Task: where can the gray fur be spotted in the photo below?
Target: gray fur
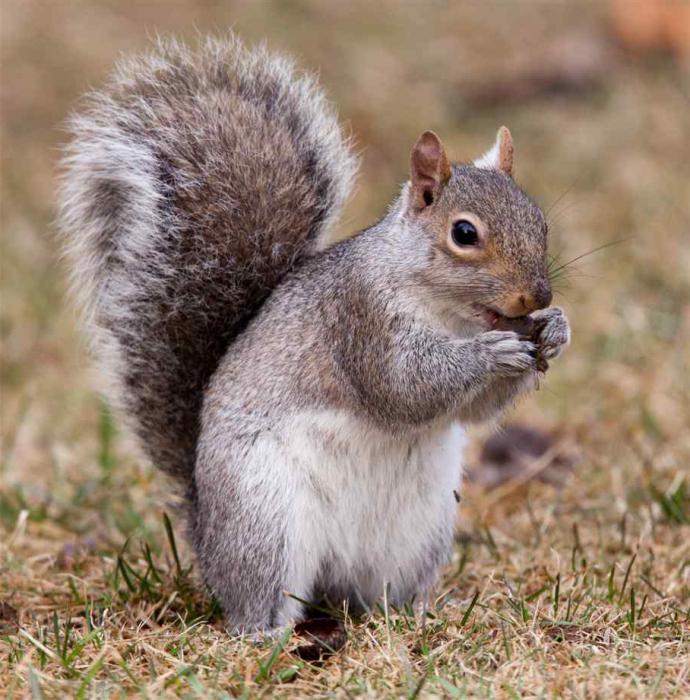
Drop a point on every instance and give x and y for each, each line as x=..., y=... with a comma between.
x=361, y=328
x=198, y=191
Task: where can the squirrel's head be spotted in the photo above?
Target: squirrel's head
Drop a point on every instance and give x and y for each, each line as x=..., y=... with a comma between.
x=484, y=238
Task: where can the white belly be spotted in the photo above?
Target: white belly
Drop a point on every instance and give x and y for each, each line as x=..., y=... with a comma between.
x=367, y=509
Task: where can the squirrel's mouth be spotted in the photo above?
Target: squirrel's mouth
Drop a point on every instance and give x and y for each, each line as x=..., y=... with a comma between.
x=495, y=320
x=490, y=317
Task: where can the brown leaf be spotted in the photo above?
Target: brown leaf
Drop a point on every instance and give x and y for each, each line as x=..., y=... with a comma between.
x=326, y=634
x=9, y=618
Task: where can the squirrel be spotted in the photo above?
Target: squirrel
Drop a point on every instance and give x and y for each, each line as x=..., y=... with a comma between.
x=309, y=399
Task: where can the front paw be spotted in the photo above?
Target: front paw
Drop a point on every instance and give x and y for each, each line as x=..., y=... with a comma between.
x=506, y=353
x=554, y=333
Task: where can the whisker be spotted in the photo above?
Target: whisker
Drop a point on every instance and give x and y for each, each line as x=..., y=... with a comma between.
x=564, y=194
x=590, y=252
x=558, y=216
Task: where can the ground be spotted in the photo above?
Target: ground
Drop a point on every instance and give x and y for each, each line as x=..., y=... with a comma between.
x=579, y=589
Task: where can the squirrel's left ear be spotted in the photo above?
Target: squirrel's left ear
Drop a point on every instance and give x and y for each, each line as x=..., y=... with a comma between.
x=500, y=155
x=429, y=170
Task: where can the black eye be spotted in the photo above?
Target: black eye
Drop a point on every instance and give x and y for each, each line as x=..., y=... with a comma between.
x=464, y=233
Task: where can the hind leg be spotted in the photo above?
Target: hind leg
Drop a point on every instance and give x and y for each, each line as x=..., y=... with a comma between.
x=243, y=562
x=242, y=540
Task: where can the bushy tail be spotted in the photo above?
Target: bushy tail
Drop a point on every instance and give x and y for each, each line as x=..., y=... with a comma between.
x=193, y=183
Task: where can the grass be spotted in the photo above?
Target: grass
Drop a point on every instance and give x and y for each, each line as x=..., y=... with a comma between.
x=555, y=606
x=580, y=590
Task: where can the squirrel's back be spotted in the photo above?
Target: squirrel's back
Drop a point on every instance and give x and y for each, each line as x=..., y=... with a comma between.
x=193, y=183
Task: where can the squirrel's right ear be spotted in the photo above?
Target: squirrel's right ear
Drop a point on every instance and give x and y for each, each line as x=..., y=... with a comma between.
x=429, y=170
x=500, y=155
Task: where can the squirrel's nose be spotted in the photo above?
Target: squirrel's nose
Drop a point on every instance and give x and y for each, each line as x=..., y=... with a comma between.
x=542, y=295
x=527, y=302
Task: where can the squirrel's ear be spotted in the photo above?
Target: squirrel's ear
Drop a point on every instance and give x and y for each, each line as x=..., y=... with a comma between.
x=429, y=170
x=500, y=155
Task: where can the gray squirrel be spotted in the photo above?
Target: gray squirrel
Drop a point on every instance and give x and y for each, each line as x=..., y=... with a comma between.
x=309, y=399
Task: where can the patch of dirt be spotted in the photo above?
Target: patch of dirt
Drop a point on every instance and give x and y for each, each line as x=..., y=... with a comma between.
x=521, y=453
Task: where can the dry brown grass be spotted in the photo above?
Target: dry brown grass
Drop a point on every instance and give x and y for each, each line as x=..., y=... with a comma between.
x=582, y=591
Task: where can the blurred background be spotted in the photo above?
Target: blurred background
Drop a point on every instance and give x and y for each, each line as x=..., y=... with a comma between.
x=585, y=492
x=596, y=96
